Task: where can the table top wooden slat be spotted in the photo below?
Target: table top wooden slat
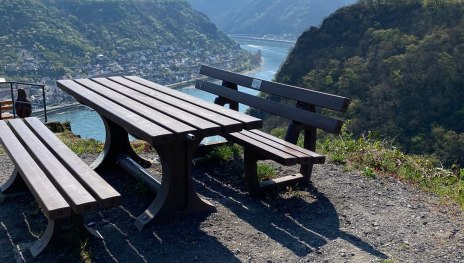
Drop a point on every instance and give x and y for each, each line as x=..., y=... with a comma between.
x=205, y=126
x=46, y=194
x=104, y=193
x=228, y=124
x=249, y=122
x=133, y=123
x=153, y=115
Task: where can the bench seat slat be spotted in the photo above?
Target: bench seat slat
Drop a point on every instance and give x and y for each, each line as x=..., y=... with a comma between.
x=310, y=118
x=203, y=124
x=134, y=124
x=322, y=99
x=105, y=195
x=53, y=204
x=262, y=148
x=249, y=121
x=138, y=91
x=303, y=155
x=160, y=118
x=74, y=193
x=317, y=158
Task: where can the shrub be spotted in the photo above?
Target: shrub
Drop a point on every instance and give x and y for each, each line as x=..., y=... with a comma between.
x=266, y=171
x=224, y=153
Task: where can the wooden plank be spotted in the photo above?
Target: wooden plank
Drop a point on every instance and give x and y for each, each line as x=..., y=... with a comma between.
x=303, y=158
x=321, y=99
x=262, y=149
x=306, y=117
x=179, y=128
x=281, y=181
x=133, y=123
x=50, y=200
x=135, y=89
x=74, y=193
x=174, y=111
x=249, y=122
x=317, y=158
x=105, y=195
x=6, y=102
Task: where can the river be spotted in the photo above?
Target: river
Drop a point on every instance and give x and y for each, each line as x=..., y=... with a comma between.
x=86, y=123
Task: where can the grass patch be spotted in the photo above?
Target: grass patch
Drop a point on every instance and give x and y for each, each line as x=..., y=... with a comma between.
x=224, y=153
x=266, y=171
x=79, y=145
x=378, y=157
x=84, y=254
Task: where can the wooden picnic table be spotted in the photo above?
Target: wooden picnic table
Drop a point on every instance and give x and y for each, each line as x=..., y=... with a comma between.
x=173, y=122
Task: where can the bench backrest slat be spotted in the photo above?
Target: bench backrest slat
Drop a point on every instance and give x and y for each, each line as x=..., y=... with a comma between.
x=309, y=118
x=46, y=194
x=105, y=194
x=313, y=97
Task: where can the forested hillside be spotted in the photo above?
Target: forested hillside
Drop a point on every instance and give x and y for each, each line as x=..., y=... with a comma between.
x=402, y=64
x=50, y=37
x=263, y=17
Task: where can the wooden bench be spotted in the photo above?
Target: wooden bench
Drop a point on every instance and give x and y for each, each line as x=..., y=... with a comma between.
x=62, y=184
x=6, y=106
x=262, y=146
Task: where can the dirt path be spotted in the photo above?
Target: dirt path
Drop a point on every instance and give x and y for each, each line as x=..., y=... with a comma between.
x=344, y=217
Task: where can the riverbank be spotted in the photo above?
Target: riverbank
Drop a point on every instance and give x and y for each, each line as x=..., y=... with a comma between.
x=262, y=39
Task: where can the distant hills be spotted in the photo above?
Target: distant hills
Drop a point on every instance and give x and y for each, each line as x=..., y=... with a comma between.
x=264, y=17
x=402, y=64
x=55, y=37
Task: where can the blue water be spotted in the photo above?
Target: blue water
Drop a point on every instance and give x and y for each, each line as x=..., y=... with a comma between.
x=88, y=124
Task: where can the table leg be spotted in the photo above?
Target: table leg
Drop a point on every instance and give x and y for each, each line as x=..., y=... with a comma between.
x=176, y=196
x=116, y=142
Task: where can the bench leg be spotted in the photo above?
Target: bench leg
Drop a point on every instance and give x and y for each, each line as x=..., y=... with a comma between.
x=176, y=196
x=14, y=183
x=48, y=236
x=116, y=142
x=250, y=164
x=53, y=234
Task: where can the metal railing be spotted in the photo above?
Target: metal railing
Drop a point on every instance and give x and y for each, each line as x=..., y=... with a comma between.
x=15, y=85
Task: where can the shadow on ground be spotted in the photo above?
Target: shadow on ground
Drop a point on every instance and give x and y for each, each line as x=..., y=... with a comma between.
x=299, y=225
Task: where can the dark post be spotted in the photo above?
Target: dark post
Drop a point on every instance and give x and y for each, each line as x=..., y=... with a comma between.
x=223, y=101
x=13, y=99
x=44, y=102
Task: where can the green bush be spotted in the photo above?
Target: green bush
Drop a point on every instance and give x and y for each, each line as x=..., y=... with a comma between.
x=224, y=153
x=266, y=171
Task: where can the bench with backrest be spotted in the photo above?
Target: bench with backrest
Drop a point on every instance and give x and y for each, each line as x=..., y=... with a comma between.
x=304, y=116
x=6, y=107
x=62, y=184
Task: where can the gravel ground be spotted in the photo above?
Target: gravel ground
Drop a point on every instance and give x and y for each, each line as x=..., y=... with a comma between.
x=342, y=217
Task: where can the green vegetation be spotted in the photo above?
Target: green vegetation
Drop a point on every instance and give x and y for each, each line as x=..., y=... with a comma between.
x=266, y=171
x=264, y=17
x=78, y=145
x=53, y=37
x=224, y=153
x=401, y=64
x=373, y=156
